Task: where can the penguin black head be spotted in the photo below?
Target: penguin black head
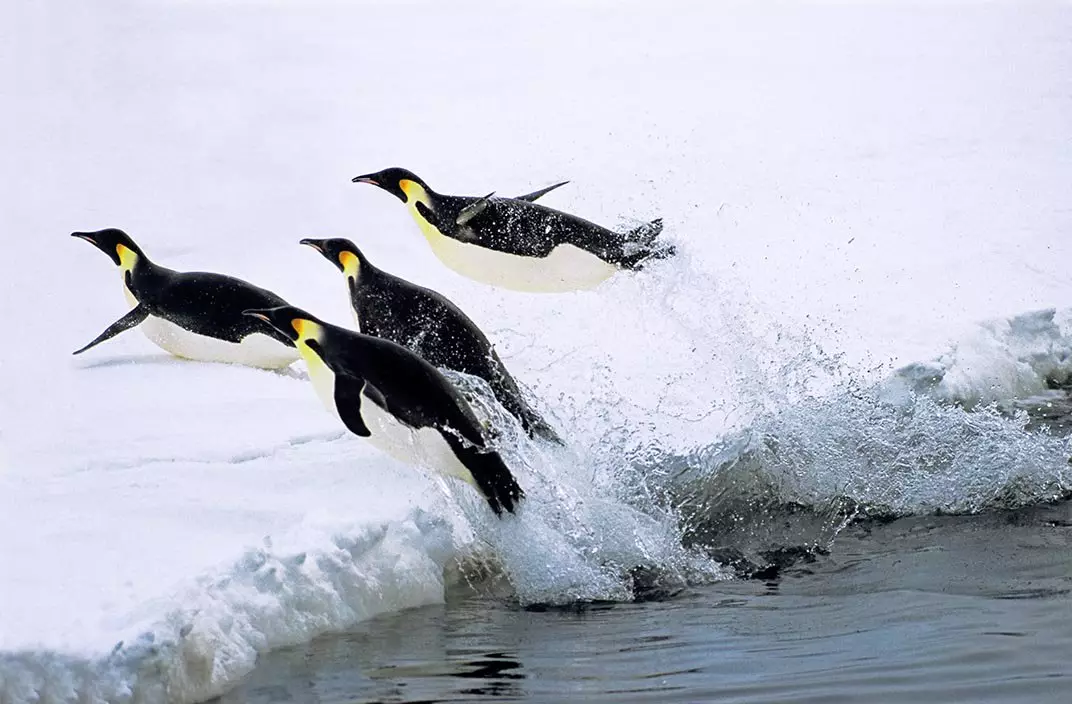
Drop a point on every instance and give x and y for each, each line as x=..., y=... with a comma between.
x=115, y=243
x=294, y=323
x=399, y=182
x=343, y=253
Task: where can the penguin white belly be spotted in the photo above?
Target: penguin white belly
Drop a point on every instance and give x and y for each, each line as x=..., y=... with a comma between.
x=256, y=350
x=566, y=268
x=424, y=447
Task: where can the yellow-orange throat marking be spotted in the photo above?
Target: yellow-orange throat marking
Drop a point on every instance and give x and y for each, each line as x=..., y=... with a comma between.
x=414, y=192
x=127, y=257
x=350, y=263
x=306, y=329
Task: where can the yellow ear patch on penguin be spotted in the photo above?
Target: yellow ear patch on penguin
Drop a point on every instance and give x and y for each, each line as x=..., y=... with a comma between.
x=306, y=329
x=414, y=191
x=350, y=263
x=126, y=256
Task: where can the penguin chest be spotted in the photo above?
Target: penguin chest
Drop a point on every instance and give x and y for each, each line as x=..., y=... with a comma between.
x=255, y=350
x=566, y=268
x=422, y=447
x=322, y=377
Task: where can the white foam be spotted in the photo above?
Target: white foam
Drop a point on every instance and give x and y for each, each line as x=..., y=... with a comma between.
x=1000, y=360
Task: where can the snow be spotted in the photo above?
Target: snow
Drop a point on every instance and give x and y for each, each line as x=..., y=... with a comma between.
x=855, y=186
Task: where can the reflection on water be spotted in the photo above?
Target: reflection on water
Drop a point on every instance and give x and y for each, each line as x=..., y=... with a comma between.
x=425, y=655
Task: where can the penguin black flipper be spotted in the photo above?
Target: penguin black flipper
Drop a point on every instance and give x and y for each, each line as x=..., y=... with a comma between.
x=135, y=317
x=535, y=195
x=473, y=209
x=509, y=395
x=348, y=403
x=413, y=391
x=416, y=393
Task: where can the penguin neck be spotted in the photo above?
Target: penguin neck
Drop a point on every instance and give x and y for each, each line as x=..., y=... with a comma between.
x=418, y=193
x=361, y=284
x=319, y=372
x=139, y=274
x=361, y=275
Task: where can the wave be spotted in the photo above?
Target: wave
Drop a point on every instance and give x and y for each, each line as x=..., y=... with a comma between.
x=981, y=428
x=1003, y=360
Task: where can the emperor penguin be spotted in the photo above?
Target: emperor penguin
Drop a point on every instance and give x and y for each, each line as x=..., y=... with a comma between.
x=193, y=315
x=427, y=323
x=516, y=243
x=401, y=403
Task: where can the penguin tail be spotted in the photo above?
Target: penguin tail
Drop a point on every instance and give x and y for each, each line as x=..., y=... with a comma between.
x=641, y=244
x=490, y=473
x=646, y=233
x=506, y=391
x=537, y=427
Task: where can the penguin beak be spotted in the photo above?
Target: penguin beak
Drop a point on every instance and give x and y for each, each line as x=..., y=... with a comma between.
x=315, y=244
x=368, y=178
x=85, y=236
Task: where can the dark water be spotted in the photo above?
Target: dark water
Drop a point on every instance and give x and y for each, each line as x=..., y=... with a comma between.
x=922, y=609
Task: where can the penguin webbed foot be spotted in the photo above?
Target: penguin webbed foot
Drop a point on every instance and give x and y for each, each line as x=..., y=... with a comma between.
x=136, y=316
x=640, y=245
x=539, y=429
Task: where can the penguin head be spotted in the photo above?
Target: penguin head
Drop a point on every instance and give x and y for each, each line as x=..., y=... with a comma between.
x=116, y=244
x=343, y=253
x=401, y=183
x=297, y=325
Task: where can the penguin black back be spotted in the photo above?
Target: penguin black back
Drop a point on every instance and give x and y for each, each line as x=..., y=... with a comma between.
x=429, y=324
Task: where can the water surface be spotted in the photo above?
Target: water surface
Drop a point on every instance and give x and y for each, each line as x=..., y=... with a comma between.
x=974, y=608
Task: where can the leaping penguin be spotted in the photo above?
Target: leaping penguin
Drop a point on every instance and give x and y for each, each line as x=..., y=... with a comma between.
x=194, y=315
x=401, y=403
x=516, y=243
x=427, y=323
